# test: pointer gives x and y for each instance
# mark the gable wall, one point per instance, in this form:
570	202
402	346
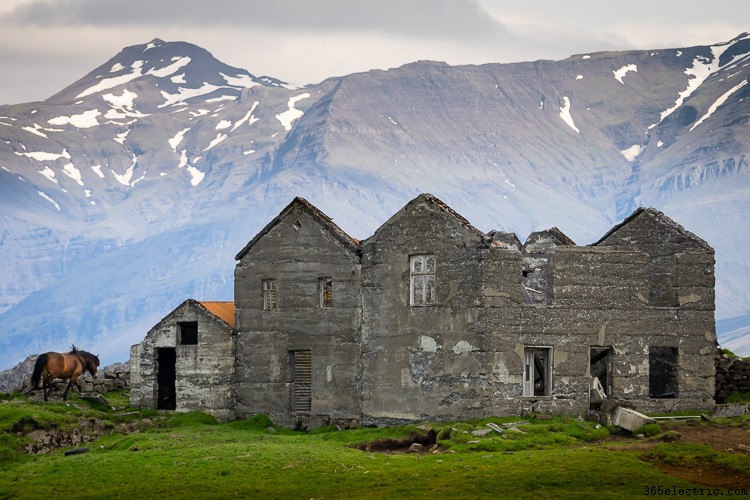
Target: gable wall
296	258
423	360
204	378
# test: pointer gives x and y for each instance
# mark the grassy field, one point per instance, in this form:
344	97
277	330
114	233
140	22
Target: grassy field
192	456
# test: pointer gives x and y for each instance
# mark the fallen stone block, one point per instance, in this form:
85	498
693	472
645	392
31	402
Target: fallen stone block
630	419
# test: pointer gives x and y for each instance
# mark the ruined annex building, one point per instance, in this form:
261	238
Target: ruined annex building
430	318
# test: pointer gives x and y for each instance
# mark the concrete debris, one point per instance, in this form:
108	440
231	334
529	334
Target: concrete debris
630	420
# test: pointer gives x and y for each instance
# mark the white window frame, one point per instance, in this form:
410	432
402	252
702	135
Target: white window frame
325	292
270	298
422	281
530	370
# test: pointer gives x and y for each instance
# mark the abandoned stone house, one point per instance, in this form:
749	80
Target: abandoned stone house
430	318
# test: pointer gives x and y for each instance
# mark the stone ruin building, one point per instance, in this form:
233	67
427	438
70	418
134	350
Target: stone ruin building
430	318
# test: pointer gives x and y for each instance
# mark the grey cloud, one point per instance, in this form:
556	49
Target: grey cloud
421	18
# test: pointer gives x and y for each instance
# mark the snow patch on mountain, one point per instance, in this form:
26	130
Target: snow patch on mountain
217	140
287	117
244	81
122	136
46	197
43	156
179	62
196	175
632	152
249	118
175	140
49	174
186	93
35	129
566	116
698	73
109	83
125	178
721	100
71	171
620	73
87	119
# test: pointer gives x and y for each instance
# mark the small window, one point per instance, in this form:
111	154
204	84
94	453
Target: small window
537	371
662	372
269	295
188	332
422	281
325	289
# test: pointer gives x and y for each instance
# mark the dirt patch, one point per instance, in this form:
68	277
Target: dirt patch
723	438
707	474
423	439
719	437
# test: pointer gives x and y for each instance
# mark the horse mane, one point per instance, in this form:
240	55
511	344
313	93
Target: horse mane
90	361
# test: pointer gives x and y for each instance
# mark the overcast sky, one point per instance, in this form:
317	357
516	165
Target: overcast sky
46	45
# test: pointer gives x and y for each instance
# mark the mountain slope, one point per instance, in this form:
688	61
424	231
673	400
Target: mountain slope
133	188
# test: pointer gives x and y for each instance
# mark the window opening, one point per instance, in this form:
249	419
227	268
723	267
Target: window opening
297	225
302	381
537	371
269	295
662	372
188	332
422	282
325	288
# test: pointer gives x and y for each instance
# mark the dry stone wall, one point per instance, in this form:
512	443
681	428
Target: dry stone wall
732	375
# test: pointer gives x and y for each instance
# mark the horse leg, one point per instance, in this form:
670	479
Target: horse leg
67	388
46	383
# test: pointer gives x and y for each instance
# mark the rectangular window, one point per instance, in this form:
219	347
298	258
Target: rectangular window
537	371
662	372
188	332
302	381
422	280
269	295
325	289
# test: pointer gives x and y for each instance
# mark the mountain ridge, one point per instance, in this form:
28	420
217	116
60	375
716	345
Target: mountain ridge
171	165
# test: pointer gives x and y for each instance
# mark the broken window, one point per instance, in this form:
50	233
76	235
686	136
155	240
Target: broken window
537	371
187	333
325	288
422	282
269	295
662	372
301	381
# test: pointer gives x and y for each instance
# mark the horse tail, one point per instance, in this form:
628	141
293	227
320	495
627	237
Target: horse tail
36	375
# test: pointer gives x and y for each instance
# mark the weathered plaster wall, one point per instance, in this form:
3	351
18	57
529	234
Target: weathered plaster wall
296	256
424	361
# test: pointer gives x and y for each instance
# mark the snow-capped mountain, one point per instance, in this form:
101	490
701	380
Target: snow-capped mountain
133	188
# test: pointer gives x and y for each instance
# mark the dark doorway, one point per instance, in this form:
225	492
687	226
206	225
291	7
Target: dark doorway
601	367
166	395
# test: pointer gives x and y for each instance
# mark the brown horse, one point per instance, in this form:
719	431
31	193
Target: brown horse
68	366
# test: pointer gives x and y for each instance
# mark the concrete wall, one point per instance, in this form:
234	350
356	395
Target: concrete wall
299	249
204	373
643	295
424	361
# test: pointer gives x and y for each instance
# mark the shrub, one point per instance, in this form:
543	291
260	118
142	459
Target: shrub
649	430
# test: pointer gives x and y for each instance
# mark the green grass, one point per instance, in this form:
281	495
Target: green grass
190	455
